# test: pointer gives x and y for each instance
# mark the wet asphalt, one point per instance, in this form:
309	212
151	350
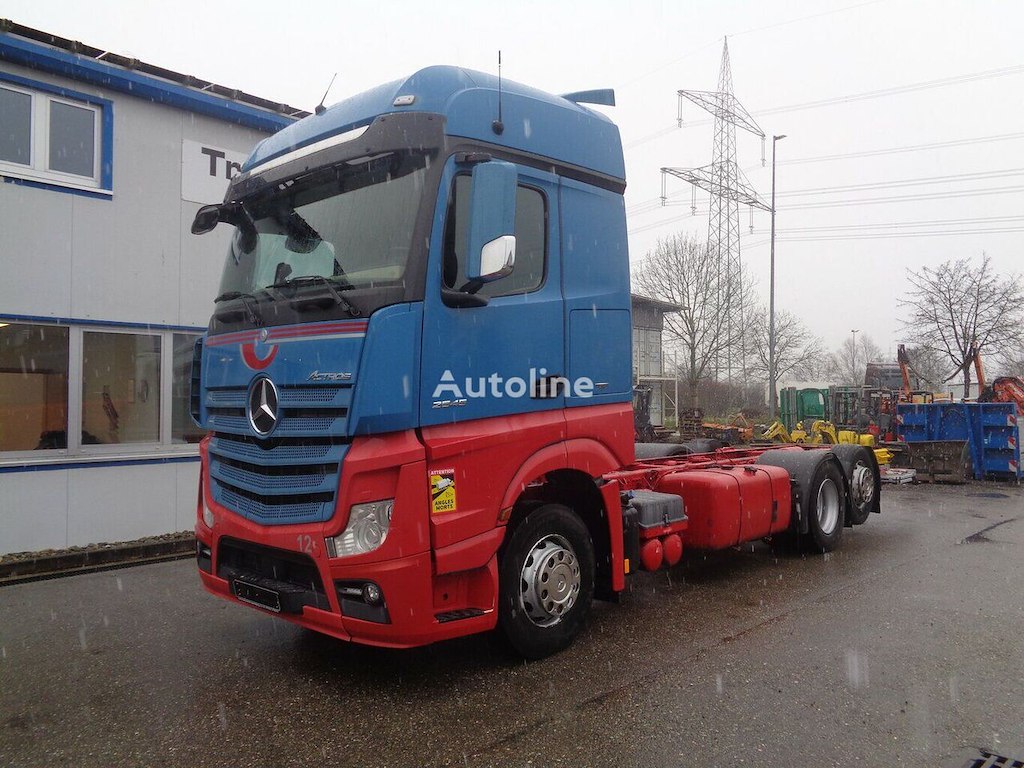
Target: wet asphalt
905	647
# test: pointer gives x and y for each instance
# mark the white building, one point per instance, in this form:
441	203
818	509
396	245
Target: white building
103	164
650	368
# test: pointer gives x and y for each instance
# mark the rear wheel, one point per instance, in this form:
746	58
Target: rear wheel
862	479
546	581
826	507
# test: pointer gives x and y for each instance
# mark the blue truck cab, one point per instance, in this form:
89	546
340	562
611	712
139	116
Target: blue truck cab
421	342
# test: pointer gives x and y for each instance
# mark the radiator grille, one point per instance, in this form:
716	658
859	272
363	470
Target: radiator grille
292	477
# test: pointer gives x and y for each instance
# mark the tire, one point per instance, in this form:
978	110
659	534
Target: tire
551	545
704	445
826	508
863	480
659	450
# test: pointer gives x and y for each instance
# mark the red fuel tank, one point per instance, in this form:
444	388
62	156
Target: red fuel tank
729	505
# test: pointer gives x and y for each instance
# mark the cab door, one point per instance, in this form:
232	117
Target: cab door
487	400
499	358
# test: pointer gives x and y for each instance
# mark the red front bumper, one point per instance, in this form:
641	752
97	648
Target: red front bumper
407	586
421	606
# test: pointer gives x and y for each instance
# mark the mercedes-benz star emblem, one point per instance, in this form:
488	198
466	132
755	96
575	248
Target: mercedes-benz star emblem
263	406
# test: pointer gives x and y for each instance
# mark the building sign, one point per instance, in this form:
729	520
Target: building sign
206	170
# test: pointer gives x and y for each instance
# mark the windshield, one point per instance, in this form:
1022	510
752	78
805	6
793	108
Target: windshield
350	224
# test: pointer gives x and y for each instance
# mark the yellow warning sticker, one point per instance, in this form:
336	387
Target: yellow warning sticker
442	490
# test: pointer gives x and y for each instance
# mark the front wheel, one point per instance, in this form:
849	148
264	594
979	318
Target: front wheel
826	507
546	581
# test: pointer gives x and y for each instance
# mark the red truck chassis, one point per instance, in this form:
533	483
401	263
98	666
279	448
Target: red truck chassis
729	496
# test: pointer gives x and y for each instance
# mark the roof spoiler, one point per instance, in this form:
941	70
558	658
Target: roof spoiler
603	96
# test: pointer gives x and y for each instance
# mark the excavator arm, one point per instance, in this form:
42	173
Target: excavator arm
1009	389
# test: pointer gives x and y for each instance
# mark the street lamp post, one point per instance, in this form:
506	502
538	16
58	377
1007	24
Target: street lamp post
853	367
772	397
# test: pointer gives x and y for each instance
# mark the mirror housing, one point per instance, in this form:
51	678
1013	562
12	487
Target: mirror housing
209	216
206	219
492	218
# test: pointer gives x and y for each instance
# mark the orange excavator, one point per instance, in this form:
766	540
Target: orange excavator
1004	389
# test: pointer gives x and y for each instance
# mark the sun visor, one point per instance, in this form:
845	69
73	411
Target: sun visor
401	132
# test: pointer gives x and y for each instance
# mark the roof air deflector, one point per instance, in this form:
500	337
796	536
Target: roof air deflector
602	96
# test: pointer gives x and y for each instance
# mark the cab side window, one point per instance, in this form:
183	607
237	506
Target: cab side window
531	242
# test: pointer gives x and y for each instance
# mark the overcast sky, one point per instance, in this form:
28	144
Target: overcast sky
959	67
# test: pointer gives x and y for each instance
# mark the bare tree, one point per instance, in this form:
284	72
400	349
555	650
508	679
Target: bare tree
706	330
850	361
797	350
931	367
960	304
1013	361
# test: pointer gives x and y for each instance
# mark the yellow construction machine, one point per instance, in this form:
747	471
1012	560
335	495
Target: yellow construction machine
822	432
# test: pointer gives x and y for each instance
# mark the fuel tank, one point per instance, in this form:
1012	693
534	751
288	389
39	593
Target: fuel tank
730	505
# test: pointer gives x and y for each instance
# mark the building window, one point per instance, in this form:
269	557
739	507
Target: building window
531	241
120	388
71	139
654	352
33	387
54	136
183	429
15	126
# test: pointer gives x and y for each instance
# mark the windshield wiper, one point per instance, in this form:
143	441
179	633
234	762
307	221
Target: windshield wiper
319	280
249	302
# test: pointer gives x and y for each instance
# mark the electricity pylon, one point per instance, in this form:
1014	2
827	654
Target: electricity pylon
729	188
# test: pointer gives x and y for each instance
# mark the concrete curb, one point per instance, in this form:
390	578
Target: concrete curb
95	558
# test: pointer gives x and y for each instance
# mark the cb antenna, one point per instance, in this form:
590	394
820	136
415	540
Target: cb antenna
497	126
320	108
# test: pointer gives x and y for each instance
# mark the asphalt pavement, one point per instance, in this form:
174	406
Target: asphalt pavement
903	648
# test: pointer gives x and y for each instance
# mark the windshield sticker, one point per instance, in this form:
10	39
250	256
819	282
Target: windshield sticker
442	490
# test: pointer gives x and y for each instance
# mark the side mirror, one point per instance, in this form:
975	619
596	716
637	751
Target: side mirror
492	219
206	219
209	216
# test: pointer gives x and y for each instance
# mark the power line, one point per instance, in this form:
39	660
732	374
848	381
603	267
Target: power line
862	96
803	18
710	43
897	183
906	198
856	202
890	235
652	204
899	89
867	153
899	224
898	150
887	236
650	137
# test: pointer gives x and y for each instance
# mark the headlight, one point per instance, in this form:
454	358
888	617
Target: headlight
367	529
208	517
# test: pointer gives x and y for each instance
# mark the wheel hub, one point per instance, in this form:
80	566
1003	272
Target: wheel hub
550	581
828	506
863	484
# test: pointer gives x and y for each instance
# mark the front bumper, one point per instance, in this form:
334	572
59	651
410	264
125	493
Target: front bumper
406	585
286	570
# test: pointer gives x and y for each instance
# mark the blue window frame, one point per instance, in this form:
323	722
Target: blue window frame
55	137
